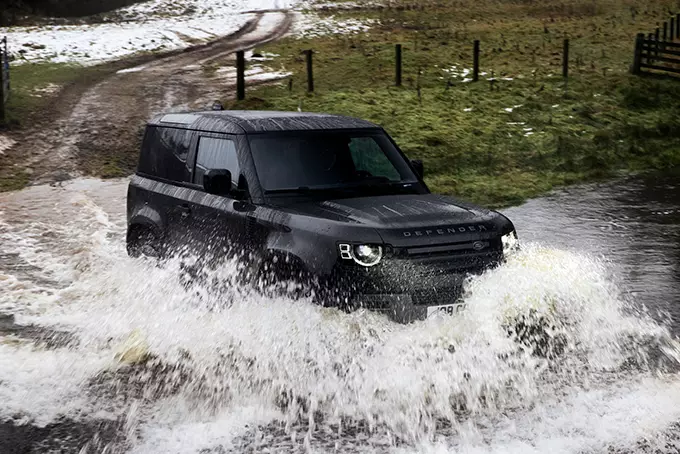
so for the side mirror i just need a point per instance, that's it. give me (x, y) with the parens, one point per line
(217, 181)
(418, 167)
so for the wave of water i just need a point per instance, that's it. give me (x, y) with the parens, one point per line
(185, 368)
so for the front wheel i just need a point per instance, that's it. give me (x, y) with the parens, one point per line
(279, 276)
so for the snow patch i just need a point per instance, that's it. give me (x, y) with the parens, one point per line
(136, 69)
(158, 25)
(511, 109)
(311, 25)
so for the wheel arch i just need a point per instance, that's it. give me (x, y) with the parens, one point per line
(280, 258)
(146, 219)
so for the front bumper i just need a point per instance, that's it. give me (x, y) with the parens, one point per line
(405, 289)
(404, 308)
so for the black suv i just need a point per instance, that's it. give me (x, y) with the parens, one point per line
(326, 199)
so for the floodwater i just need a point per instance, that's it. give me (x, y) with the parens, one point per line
(103, 353)
(634, 226)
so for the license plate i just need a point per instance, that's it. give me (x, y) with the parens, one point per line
(446, 309)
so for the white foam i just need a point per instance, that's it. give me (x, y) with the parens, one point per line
(41, 385)
(241, 350)
(5, 144)
(582, 420)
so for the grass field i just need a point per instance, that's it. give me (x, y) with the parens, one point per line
(526, 131)
(34, 86)
(33, 94)
(495, 142)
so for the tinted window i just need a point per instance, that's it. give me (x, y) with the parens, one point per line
(216, 154)
(327, 159)
(368, 157)
(164, 153)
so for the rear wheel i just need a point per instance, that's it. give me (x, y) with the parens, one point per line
(144, 241)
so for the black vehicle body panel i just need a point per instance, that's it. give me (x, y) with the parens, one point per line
(431, 243)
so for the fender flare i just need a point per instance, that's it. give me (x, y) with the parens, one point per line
(284, 258)
(148, 218)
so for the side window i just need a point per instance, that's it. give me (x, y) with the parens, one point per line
(216, 154)
(164, 153)
(369, 157)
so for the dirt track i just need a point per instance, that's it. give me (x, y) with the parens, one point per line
(93, 127)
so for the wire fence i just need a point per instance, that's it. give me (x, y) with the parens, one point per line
(398, 66)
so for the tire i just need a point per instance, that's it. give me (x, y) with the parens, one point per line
(279, 276)
(144, 242)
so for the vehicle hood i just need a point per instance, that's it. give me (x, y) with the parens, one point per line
(416, 218)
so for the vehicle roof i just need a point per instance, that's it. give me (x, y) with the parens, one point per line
(253, 121)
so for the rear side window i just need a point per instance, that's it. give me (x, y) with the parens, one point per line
(164, 153)
(216, 153)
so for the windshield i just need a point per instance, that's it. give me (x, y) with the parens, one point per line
(309, 161)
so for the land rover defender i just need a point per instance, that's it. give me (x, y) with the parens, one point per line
(322, 198)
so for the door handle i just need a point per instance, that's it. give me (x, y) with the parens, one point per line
(185, 210)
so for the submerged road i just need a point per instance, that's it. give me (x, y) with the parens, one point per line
(102, 352)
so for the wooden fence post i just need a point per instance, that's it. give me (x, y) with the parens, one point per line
(565, 59)
(240, 75)
(310, 72)
(677, 26)
(475, 62)
(665, 31)
(657, 37)
(637, 59)
(397, 50)
(672, 35)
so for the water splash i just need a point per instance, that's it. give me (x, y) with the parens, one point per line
(548, 349)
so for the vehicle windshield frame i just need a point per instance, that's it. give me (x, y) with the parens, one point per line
(349, 190)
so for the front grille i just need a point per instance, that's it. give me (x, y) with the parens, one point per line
(451, 249)
(453, 257)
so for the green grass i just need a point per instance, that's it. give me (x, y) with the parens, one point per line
(13, 181)
(28, 81)
(603, 122)
(29, 106)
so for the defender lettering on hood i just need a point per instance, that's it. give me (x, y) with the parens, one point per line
(446, 230)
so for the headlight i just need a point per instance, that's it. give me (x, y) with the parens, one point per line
(510, 243)
(363, 254)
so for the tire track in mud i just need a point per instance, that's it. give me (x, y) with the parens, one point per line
(99, 133)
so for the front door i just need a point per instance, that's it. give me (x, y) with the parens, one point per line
(218, 222)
